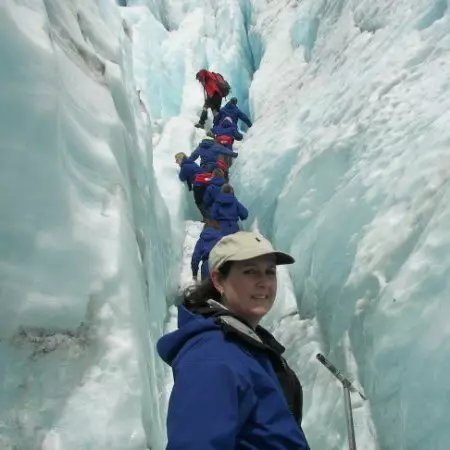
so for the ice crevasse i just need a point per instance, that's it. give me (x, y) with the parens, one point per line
(346, 167)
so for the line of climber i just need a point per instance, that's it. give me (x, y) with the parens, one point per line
(209, 180)
(233, 390)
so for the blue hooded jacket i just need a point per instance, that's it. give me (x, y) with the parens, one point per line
(207, 240)
(224, 396)
(212, 191)
(231, 110)
(226, 127)
(188, 170)
(208, 151)
(228, 208)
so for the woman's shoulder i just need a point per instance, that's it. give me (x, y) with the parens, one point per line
(219, 337)
(212, 347)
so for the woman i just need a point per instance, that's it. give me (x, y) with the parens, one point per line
(232, 388)
(227, 210)
(196, 179)
(188, 169)
(214, 186)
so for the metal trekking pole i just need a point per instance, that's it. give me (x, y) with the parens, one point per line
(348, 387)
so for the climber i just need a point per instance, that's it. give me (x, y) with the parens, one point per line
(199, 185)
(226, 127)
(227, 210)
(209, 236)
(188, 169)
(209, 152)
(215, 88)
(231, 110)
(213, 188)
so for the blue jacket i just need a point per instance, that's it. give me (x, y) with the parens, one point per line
(231, 110)
(227, 208)
(188, 170)
(227, 127)
(212, 191)
(224, 396)
(208, 151)
(207, 240)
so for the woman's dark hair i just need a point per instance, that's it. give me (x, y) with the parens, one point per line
(227, 189)
(198, 295)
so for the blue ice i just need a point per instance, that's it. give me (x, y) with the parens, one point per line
(346, 167)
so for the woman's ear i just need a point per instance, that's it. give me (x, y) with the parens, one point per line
(215, 278)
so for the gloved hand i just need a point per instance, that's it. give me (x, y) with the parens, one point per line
(235, 155)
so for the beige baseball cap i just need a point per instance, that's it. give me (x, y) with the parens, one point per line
(244, 245)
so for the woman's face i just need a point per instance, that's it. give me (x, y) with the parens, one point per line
(249, 289)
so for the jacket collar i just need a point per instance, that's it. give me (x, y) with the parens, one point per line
(230, 323)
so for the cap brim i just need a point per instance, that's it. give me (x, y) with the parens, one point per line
(281, 258)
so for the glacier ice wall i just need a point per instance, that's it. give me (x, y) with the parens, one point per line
(346, 167)
(82, 234)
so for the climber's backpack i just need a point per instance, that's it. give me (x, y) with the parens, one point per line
(203, 178)
(224, 140)
(221, 83)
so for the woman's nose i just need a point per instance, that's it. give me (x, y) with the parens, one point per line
(263, 279)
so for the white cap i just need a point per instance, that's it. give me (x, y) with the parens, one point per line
(244, 245)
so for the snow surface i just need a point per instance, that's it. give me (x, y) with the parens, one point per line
(346, 167)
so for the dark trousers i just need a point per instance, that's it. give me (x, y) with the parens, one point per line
(214, 103)
(199, 192)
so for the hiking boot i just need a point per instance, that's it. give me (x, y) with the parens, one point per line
(199, 125)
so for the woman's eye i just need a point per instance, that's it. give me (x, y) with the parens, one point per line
(270, 272)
